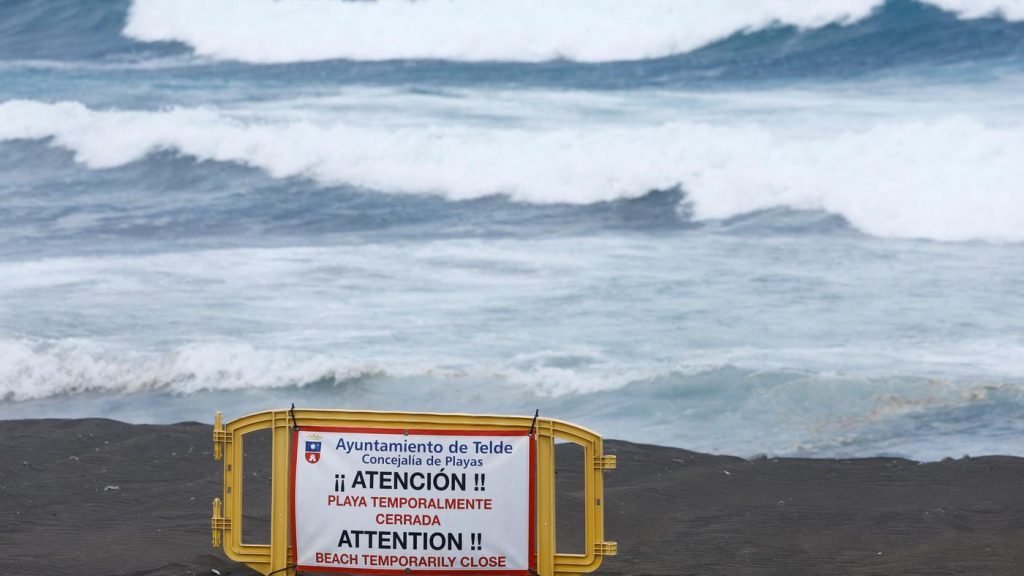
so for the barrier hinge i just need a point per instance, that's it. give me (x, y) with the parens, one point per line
(218, 523)
(606, 548)
(221, 437)
(605, 462)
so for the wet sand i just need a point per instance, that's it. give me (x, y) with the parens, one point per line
(93, 496)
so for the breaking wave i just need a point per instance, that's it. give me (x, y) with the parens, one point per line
(270, 31)
(724, 408)
(953, 178)
(265, 31)
(41, 369)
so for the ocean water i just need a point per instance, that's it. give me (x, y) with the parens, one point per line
(745, 227)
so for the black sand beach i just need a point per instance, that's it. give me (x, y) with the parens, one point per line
(95, 496)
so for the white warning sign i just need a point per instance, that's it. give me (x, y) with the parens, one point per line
(375, 501)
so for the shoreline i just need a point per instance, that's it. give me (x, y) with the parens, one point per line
(95, 496)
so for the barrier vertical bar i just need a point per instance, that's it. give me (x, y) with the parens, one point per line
(545, 499)
(279, 494)
(233, 474)
(589, 478)
(598, 469)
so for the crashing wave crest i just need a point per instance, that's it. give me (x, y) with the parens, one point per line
(272, 31)
(954, 178)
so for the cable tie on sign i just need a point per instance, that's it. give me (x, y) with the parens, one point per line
(286, 567)
(295, 425)
(533, 425)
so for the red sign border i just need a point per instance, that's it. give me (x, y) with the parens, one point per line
(420, 432)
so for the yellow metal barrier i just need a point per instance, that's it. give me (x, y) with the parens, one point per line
(277, 557)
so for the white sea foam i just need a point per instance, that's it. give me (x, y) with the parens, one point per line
(517, 30)
(1012, 10)
(711, 409)
(35, 369)
(951, 178)
(274, 31)
(41, 369)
